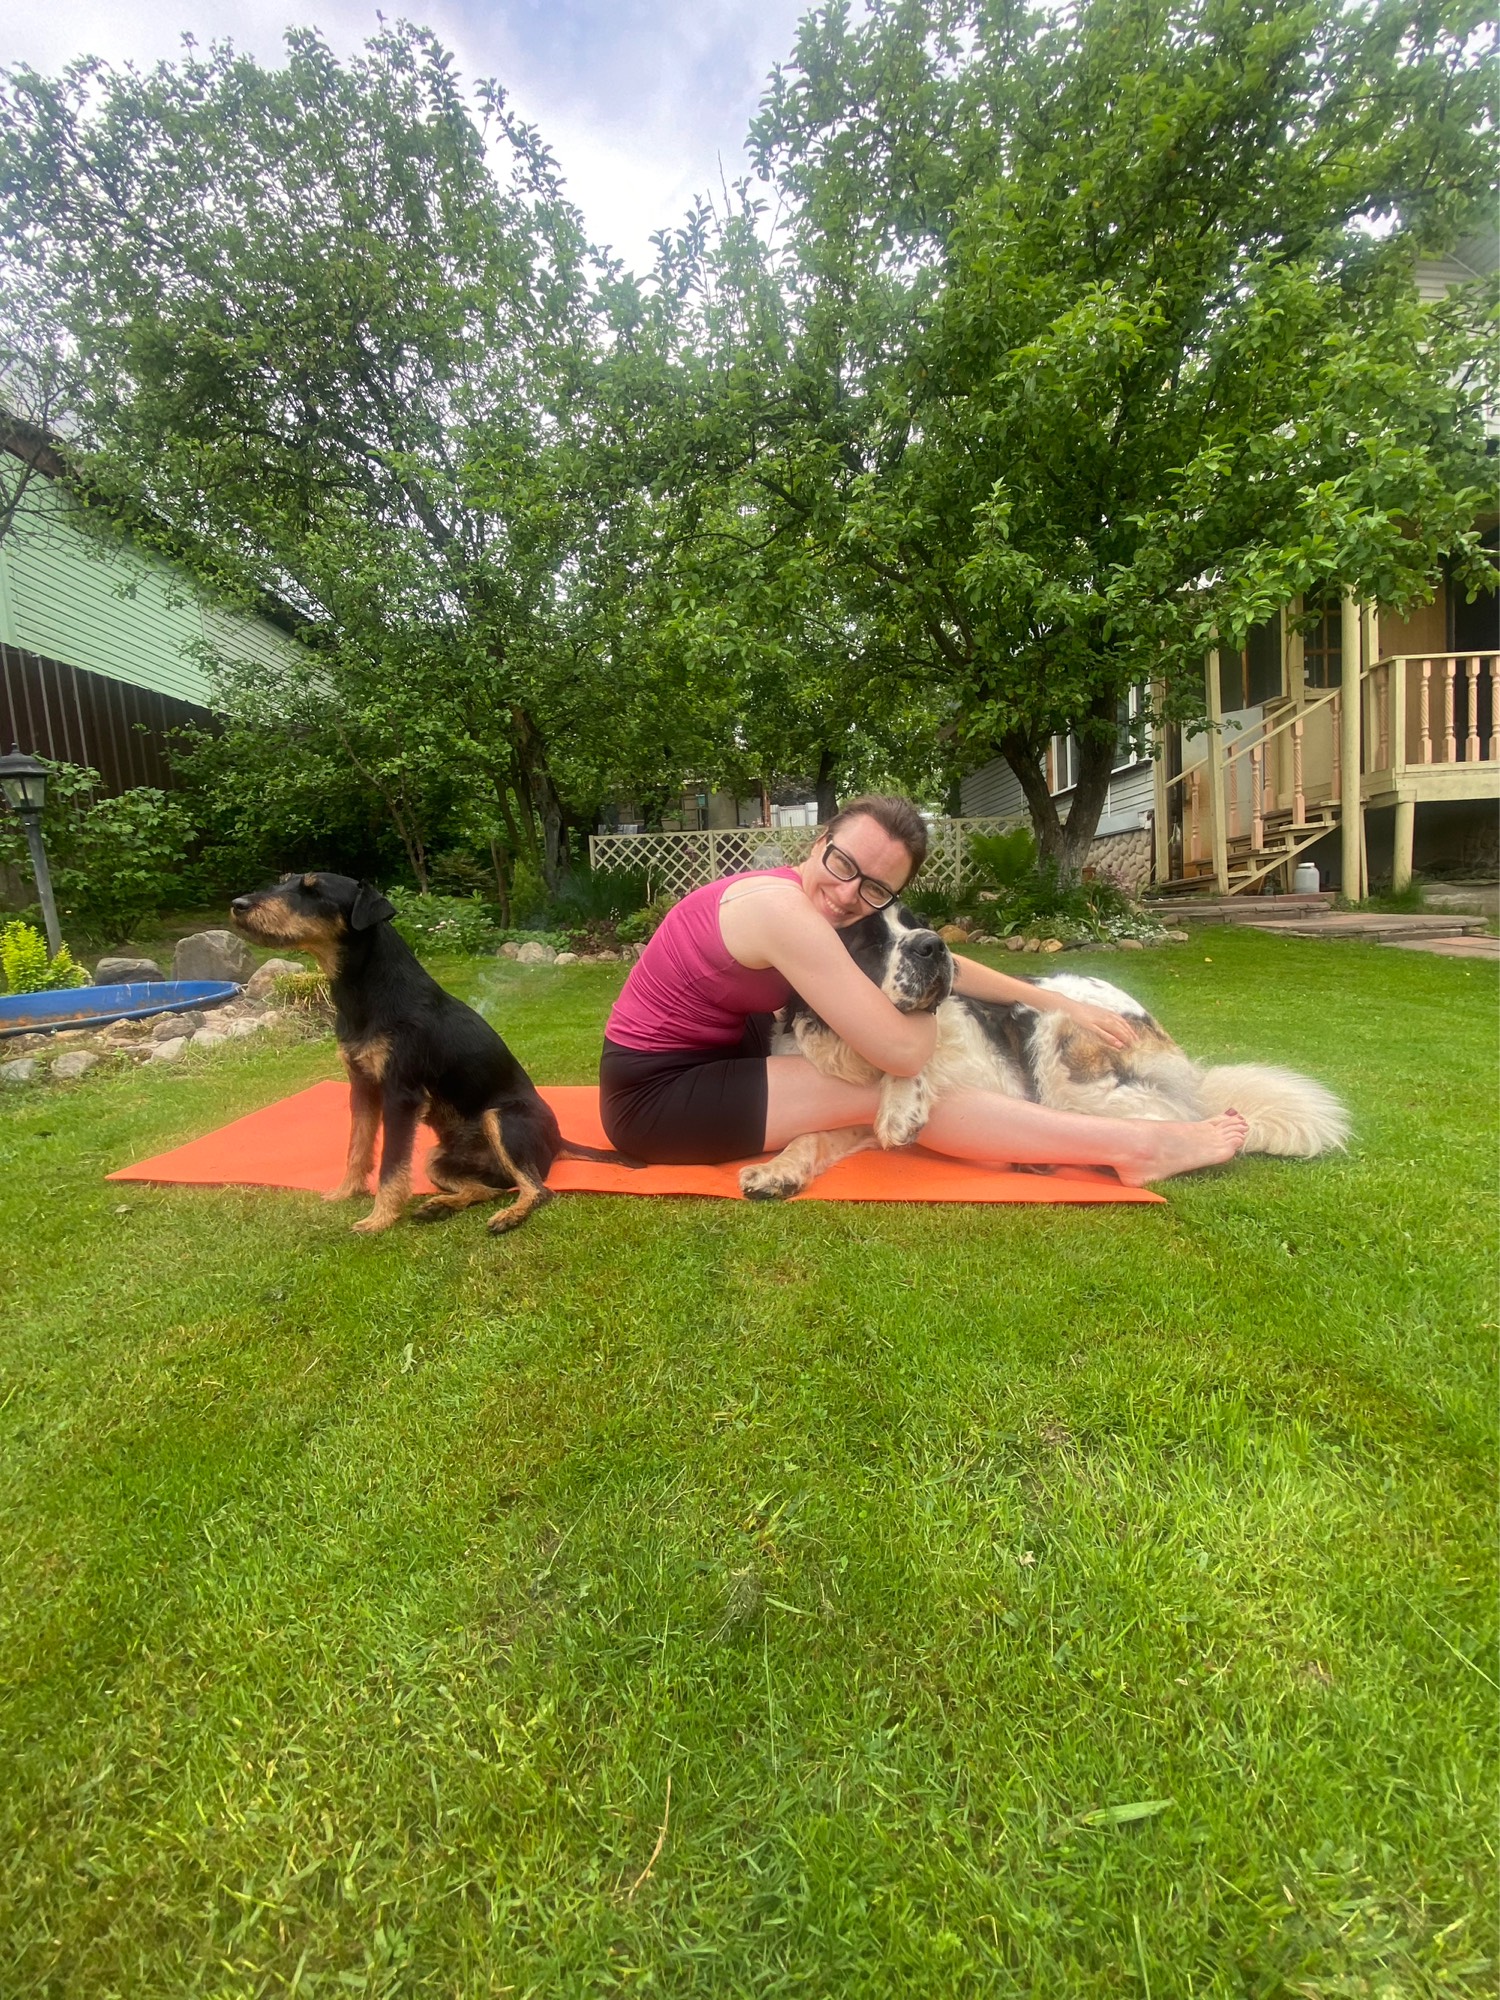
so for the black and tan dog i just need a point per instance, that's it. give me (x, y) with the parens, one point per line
(413, 1052)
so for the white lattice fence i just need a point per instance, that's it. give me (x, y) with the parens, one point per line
(677, 862)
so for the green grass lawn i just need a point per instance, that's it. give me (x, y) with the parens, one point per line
(363, 1599)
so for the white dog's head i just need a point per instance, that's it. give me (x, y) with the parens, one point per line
(908, 962)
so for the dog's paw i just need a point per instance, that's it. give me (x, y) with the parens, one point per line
(346, 1191)
(769, 1183)
(374, 1222)
(899, 1124)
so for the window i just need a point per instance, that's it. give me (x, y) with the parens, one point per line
(1323, 644)
(1130, 747)
(1253, 675)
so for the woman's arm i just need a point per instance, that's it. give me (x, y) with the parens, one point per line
(982, 982)
(777, 926)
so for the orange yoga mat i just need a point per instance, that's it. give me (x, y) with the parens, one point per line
(300, 1143)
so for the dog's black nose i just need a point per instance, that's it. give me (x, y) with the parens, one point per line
(927, 945)
(240, 905)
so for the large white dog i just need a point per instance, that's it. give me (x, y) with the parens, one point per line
(1024, 1052)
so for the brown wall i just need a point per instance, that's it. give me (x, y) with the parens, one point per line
(75, 717)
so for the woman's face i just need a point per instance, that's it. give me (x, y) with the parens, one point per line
(875, 854)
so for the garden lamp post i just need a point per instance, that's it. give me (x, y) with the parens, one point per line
(24, 782)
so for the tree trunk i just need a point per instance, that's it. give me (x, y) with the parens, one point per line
(500, 862)
(531, 755)
(828, 803)
(1063, 844)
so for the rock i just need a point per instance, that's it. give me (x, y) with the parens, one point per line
(76, 1063)
(953, 934)
(1179, 937)
(510, 949)
(566, 958)
(23, 1070)
(241, 1009)
(1032, 944)
(1052, 944)
(1131, 944)
(127, 1031)
(258, 986)
(247, 1025)
(213, 955)
(983, 937)
(989, 895)
(126, 971)
(167, 1026)
(1015, 944)
(533, 952)
(208, 1038)
(169, 1052)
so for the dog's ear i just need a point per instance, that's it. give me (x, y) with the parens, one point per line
(370, 908)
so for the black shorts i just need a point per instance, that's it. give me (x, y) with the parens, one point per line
(687, 1107)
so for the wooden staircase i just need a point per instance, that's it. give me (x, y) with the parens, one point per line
(1253, 869)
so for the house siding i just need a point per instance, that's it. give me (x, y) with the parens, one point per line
(995, 790)
(114, 610)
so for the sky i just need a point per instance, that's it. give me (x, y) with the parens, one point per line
(643, 102)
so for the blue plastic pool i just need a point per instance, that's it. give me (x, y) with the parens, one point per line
(92, 1006)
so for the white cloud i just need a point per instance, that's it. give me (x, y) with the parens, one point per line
(641, 101)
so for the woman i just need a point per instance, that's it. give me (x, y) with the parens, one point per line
(687, 1077)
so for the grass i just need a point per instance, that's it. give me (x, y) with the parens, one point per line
(363, 1599)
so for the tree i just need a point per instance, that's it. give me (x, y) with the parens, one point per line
(1103, 342)
(327, 353)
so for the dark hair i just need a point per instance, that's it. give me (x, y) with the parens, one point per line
(896, 816)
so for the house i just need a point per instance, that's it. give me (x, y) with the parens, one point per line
(103, 645)
(1341, 735)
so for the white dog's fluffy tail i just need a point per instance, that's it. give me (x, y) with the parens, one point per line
(1288, 1114)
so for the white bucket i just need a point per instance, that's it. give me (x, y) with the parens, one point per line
(1305, 879)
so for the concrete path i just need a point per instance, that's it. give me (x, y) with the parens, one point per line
(1451, 947)
(1372, 927)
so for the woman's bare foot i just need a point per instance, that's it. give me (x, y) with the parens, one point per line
(1159, 1151)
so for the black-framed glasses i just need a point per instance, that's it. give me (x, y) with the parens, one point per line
(844, 868)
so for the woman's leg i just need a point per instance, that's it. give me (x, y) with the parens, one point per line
(983, 1125)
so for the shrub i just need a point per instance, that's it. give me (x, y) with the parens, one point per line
(27, 969)
(432, 924)
(642, 924)
(302, 992)
(113, 860)
(559, 940)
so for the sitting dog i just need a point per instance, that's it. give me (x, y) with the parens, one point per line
(1022, 1051)
(413, 1052)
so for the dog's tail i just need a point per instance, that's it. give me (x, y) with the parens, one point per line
(569, 1151)
(1288, 1114)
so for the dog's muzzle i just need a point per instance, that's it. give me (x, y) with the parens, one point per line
(921, 974)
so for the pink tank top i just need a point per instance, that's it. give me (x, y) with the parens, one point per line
(685, 991)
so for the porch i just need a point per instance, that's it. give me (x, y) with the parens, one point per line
(1253, 794)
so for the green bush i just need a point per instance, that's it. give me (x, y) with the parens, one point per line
(559, 940)
(113, 860)
(642, 924)
(432, 924)
(27, 968)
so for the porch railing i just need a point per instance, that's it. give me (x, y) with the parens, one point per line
(1282, 778)
(677, 862)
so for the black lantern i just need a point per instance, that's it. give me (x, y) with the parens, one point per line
(23, 782)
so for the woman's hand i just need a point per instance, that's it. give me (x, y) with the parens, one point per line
(1116, 1029)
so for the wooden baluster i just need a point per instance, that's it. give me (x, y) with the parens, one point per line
(1269, 798)
(1450, 741)
(1194, 853)
(1471, 740)
(1231, 772)
(1383, 710)
(1425, 722)
(1336, 791)
(1495, 708)
(1257, 821)
(1299, 803)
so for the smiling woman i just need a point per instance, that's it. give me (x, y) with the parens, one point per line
(688, 1077)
